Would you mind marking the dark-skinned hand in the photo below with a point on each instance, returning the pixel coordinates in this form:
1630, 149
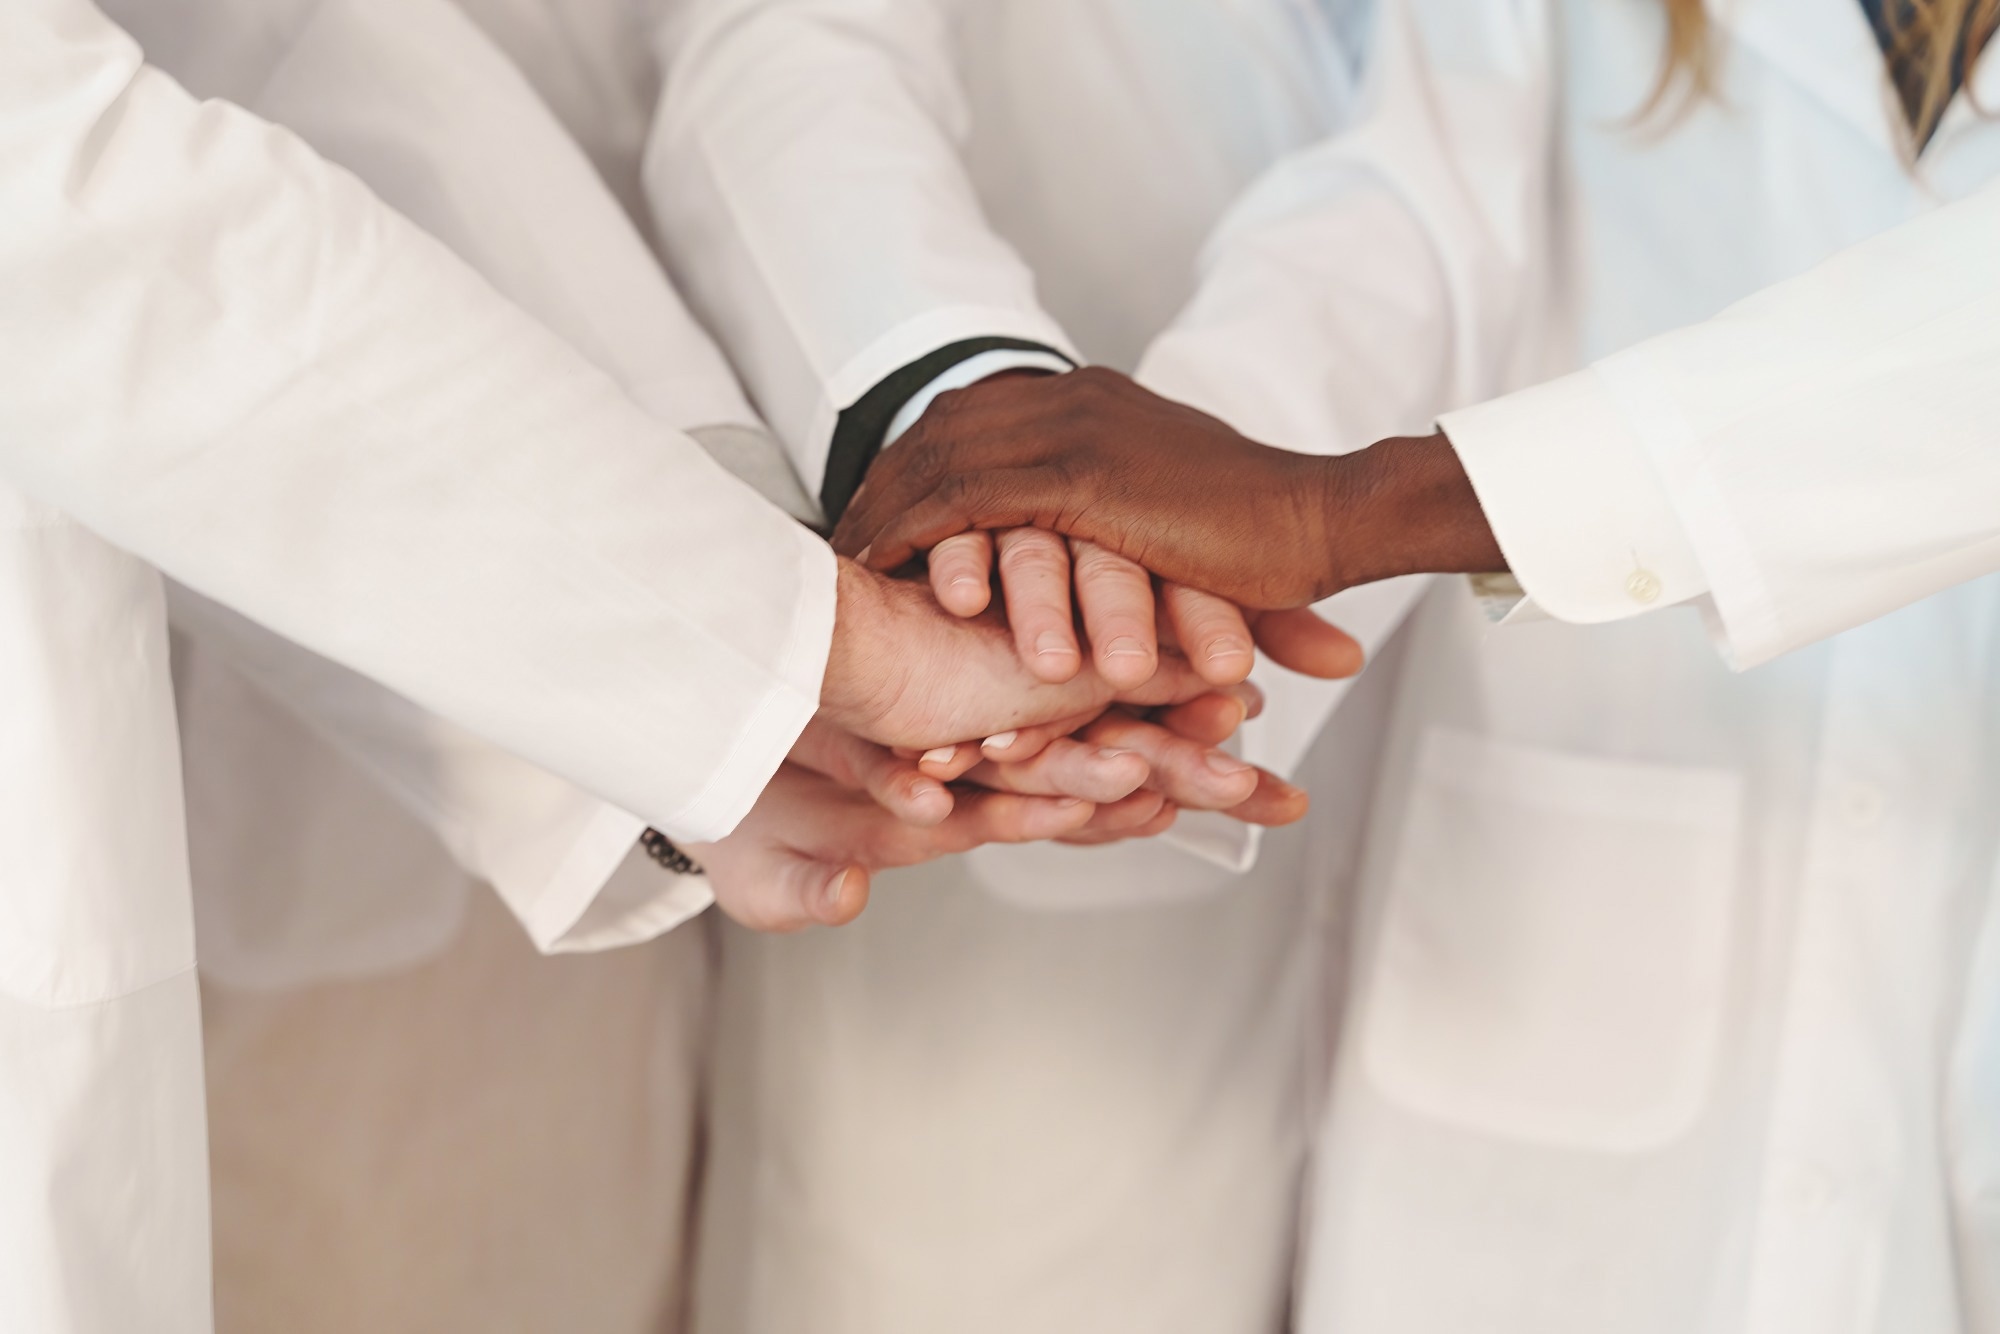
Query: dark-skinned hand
1096, 457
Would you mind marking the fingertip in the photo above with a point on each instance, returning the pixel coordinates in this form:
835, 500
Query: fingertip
1274, 803
1293, 802
1226, 781
963, 596
1126, 663
1123, 771
927, 803
960, 573
845, 895
947, 764
1073, 813
1054, 658
1225, 662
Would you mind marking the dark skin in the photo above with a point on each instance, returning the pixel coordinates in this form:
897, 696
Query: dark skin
1095, 456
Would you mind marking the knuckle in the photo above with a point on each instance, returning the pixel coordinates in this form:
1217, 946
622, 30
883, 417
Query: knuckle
957, 555
954, 489
918, 455
1032, 558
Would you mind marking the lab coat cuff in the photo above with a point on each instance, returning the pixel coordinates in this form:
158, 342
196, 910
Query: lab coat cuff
1581, 515
774, 725
609, 893
908, 342
555, 906
1740, 610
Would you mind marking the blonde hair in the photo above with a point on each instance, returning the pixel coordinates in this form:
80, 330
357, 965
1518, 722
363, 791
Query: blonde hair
1933, 44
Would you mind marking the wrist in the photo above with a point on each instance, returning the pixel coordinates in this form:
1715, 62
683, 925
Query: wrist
857, 687
1404, 506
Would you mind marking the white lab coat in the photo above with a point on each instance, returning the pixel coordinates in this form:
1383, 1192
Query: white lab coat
991, 1115
383, 1065
1676, 992
422, 108
234, 361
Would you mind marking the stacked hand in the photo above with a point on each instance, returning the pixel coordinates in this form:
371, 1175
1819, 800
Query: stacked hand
1095, 456
935, 736
1179, 546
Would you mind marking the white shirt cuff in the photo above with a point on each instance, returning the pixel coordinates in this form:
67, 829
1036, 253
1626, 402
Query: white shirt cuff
970, 371
1579, 511
634, 901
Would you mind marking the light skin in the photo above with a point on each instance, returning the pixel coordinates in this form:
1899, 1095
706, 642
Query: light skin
1086, 750
804, 854
901, 672
845, 806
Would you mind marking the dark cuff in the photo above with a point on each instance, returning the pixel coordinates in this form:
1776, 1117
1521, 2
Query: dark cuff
857, 435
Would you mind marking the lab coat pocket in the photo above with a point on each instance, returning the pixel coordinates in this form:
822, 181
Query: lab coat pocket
1552, 958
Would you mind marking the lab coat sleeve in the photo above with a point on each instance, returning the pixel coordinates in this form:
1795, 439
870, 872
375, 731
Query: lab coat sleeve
804, 172
1365, 284
229, 357
1816, 456
418, 103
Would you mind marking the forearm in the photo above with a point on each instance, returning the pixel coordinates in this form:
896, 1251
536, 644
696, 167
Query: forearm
1818, 455
1403, 506
280, 392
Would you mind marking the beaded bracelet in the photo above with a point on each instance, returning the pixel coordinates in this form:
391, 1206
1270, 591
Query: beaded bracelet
662, 850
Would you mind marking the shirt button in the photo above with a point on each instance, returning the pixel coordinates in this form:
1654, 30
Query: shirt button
1643, 586
1863, 805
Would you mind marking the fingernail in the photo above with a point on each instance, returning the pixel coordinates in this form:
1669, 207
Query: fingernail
1114, 752
1125, 646
942, 755
965, 581
1001, 741
861, 556
1050, 644
1226, 648
831, 896
1071, 803
1227, 765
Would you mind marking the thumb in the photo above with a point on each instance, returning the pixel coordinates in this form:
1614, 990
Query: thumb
797, 892
842, 895
1299, 639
